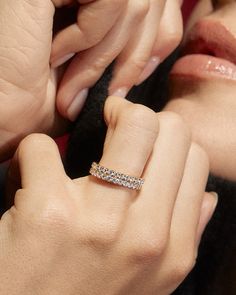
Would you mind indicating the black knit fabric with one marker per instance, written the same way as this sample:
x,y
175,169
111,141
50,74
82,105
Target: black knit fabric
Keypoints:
x,y
87,137
215,271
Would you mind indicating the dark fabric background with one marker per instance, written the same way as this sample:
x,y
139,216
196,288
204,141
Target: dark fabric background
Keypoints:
x,y
215,271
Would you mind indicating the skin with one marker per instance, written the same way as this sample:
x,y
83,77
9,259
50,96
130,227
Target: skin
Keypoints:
x,y
85,236
26,51
65,228
29,84
137,33
209,107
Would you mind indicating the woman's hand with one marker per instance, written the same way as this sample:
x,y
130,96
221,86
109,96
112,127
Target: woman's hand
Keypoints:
x,y
86,236
27,83
139,34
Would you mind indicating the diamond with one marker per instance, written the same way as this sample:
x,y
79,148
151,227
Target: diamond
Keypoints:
x,y
116,177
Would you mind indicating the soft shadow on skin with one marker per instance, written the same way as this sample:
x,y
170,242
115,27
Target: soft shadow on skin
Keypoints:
x,y
215,270
88,134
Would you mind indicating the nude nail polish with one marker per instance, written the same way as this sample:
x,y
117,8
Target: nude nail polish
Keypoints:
x,y
151,66
62,60
120,92
77,104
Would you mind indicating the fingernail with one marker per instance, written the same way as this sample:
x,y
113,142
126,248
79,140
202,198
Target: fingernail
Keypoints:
x,y
214,194
120,92
152,64
60,61
207,210
77,104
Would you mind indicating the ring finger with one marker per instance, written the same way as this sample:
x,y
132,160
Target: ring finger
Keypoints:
x,y
132,131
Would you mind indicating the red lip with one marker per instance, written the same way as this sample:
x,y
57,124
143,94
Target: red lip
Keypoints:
x,y
210,52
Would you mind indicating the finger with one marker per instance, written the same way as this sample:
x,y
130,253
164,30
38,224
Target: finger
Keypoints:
x,y
152,212
39,163
89,65
132,132
126,149
135,55
88,31
180,252
209,204
188,205
170,33
169,36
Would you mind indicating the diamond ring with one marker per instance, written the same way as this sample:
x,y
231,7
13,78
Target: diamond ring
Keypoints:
x,y
115,177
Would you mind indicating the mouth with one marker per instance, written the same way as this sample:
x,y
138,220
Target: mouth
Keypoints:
x,y
209,53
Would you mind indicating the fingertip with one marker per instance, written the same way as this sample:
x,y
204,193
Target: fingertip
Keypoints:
x,y
209,205
70,106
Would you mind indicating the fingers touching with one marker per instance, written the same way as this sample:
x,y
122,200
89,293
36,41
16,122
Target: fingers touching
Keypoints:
x,y
82,35
138,34
151,235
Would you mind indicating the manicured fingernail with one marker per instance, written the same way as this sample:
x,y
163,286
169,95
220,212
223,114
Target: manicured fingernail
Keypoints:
x,y
121,92
60,61
214,194
77,104
207,210
152,64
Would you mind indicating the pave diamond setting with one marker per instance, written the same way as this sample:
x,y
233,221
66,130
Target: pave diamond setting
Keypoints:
x,y
115,177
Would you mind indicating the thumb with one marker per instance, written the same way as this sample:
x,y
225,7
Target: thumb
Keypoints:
x,y
207,210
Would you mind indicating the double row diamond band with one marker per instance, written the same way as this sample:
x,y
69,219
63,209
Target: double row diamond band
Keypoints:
x,y
115,177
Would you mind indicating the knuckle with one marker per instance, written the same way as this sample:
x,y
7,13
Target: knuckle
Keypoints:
x,y
169,43
172,35
174,38
147,248
172,119
55,215
139,116
32,141
183,268
91,40
201,154
102,62
113,108
175,122
100,232
138,64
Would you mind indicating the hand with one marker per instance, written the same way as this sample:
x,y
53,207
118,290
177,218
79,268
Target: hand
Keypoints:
x,y
27,83
139,34
85,236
